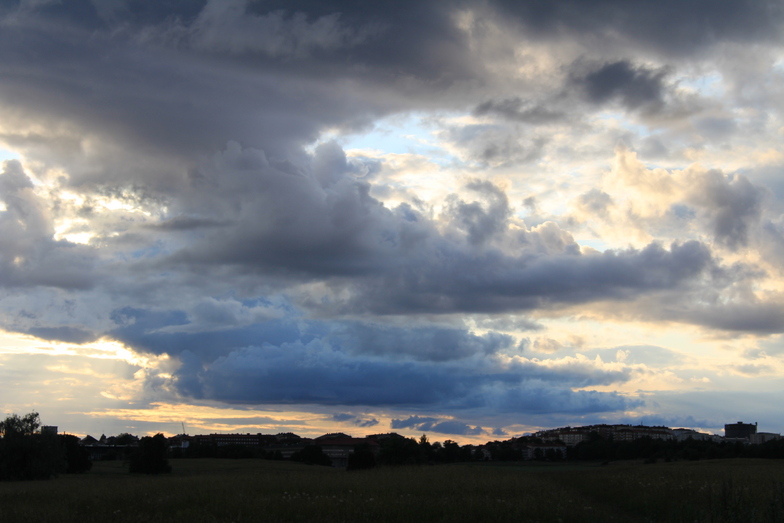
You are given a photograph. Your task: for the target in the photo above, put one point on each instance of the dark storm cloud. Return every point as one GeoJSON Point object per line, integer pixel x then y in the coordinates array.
{"type": "Point", "coordinates": [315, 373]}
{"type": "Point", "coordinates": [151, 74]}
{"type": "Point", "coordinates": [633, 86]}
{"type": "Point", "coordinates": [544, 400]}
{"type": "Point", "coordinates": [181, 79]}
{"type": "Point", "coordinates": [670, 26]}
{"type": "Point", "coordinates": [325, 224]}
{"type": "Point", "coordinates": [96, 15]}
{"type": "Point", "coordinates": [455, 281]}
{"type": "Point", "coordinates": [67, 334]}
{"type": "Point", "coordinates": [316, 218]}
{"type": "Point", "coordinates": [200, 115]}
{"type": "Point", "coordinates": [145, 330]}
{"type": "Point", "coordinates": [421, 343]}
{"type": "Point", "coordinates": [103, 80]}
{"type": "Point", "coordinates": [184, 223]}
{"type": "Point", "coordinates": [217, 332]}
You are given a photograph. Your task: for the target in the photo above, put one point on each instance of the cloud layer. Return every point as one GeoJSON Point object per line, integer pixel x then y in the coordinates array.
{"type": "Point", "coordinates": [452, 218]}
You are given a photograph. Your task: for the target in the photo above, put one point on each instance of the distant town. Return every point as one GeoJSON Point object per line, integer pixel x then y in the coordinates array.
{"type": "Point", "coordinates": [553, 444]}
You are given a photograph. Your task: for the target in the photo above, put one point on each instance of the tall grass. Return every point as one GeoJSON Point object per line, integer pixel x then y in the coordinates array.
{"type": "Point", "coordinates": [253, 490]}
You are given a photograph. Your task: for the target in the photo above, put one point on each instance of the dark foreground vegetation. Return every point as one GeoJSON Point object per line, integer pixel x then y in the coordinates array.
{"type": "Point", "coordinates": [26, 454]}
{"type": "Point", "coordinates": [208, 490]}
{"type": "Point", "coordinates": [29, 454]}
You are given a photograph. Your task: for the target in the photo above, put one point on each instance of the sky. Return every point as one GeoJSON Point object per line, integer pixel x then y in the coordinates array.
{"type": "Point", "coordinates": [472, 220]}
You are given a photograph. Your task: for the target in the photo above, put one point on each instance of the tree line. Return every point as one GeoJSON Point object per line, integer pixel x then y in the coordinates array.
{"type": "Point", "coordinates": [27, 453]}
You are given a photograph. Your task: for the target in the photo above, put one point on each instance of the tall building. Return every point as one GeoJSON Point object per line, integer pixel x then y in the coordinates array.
{"type": "Point", "coordinates": [739, 430]}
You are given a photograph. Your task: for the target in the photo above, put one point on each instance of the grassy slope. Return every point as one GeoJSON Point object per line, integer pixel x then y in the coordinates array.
{"type": "Point", "coordinates": [253, 490]}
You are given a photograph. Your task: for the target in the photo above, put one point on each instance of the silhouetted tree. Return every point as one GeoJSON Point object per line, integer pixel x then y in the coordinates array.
{"type": "Point", "coordinates": [26, 454]}
{"type": "Point", "coordinates": [76, 456]}
{"type": "Point", "coordinates": [150, 457]}
{"type": "Point", "coordinates": [124, 439]}
{"type": "Point", "coordinates": [399, 450]}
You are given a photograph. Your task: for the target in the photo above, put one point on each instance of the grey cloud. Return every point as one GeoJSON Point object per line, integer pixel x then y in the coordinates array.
{"type": "Point", "coordinates": [733, 206]}
{"type": "Point", "coordinates": [355, 420]}
{"type": "Point", "coordinates": [670, 27]}
{"type": "Point", "coordinates": [212, 327]}
{"type": "Point", "coordinates": [491, 282]}
{"type": "Point", "coordinates": [421, 343]}
{"type": "Point", "coordinates": [131, 100]}
{"type": "Point", "coordinates": [508, 323]}
{"type": "Point", "coordinates": [29, 256]}
{"type": "Point", "coordinates": [577, 371]}
{"type": "Point", "coordinates": [519, 110]}
{"type": "Point", "coordinates": [480, 222]}
{"type": "Point", "coordinates": [67, 334]}
{"type": "Point", "coordinates": [595, 202]}
{"type": "Point", "coordinates": [315, 373]}
{"type": "Point", "coordinates": [343, 417]}
{"type": "Point", "coordinates": [226, 26]}
{"type": "Point", "coordinates": [751, 369]}
{"type": "Point", "coordinates": [426, 424]}
{"type": "Point", "coordinates": [546, 401]}
{"type": "Point", "coordinates": [495, 144]}
{"type": "Point", "coordinates": [411, 421]}
{"type": "Point", "coordinates": [397, 260]}
{"type": "Point", "coordinates": [185, 223]}
{"type": "Point", "coordinates": [289, 221]}
{"type": "Point", "coordinates": [755, 316]}
{"type": "Point", "coordinates": [716, 128]}
{"type": "Point", "coordinates": [633, 86]}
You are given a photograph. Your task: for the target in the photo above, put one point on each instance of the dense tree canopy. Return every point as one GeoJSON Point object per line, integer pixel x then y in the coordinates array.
{"type": "Point", "coordinates": [150, 457]}
{"type": "Point", "coordinates": [26, 454]}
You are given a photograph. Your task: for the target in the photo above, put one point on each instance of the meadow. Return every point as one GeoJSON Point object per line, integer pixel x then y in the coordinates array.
{"type": "Point", "coordinates": [208, 490]}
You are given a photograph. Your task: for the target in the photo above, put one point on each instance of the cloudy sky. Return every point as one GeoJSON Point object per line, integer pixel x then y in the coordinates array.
{"type": "Point", "coordinates": [468, 219]}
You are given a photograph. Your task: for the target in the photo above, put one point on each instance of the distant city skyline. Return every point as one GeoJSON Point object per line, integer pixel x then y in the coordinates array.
{"type": "Point", "coordinates": [467, 219]}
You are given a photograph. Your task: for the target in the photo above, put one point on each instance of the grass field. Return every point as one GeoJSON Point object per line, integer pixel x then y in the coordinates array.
{"type": "Point", "coordinates": [256, 490]}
